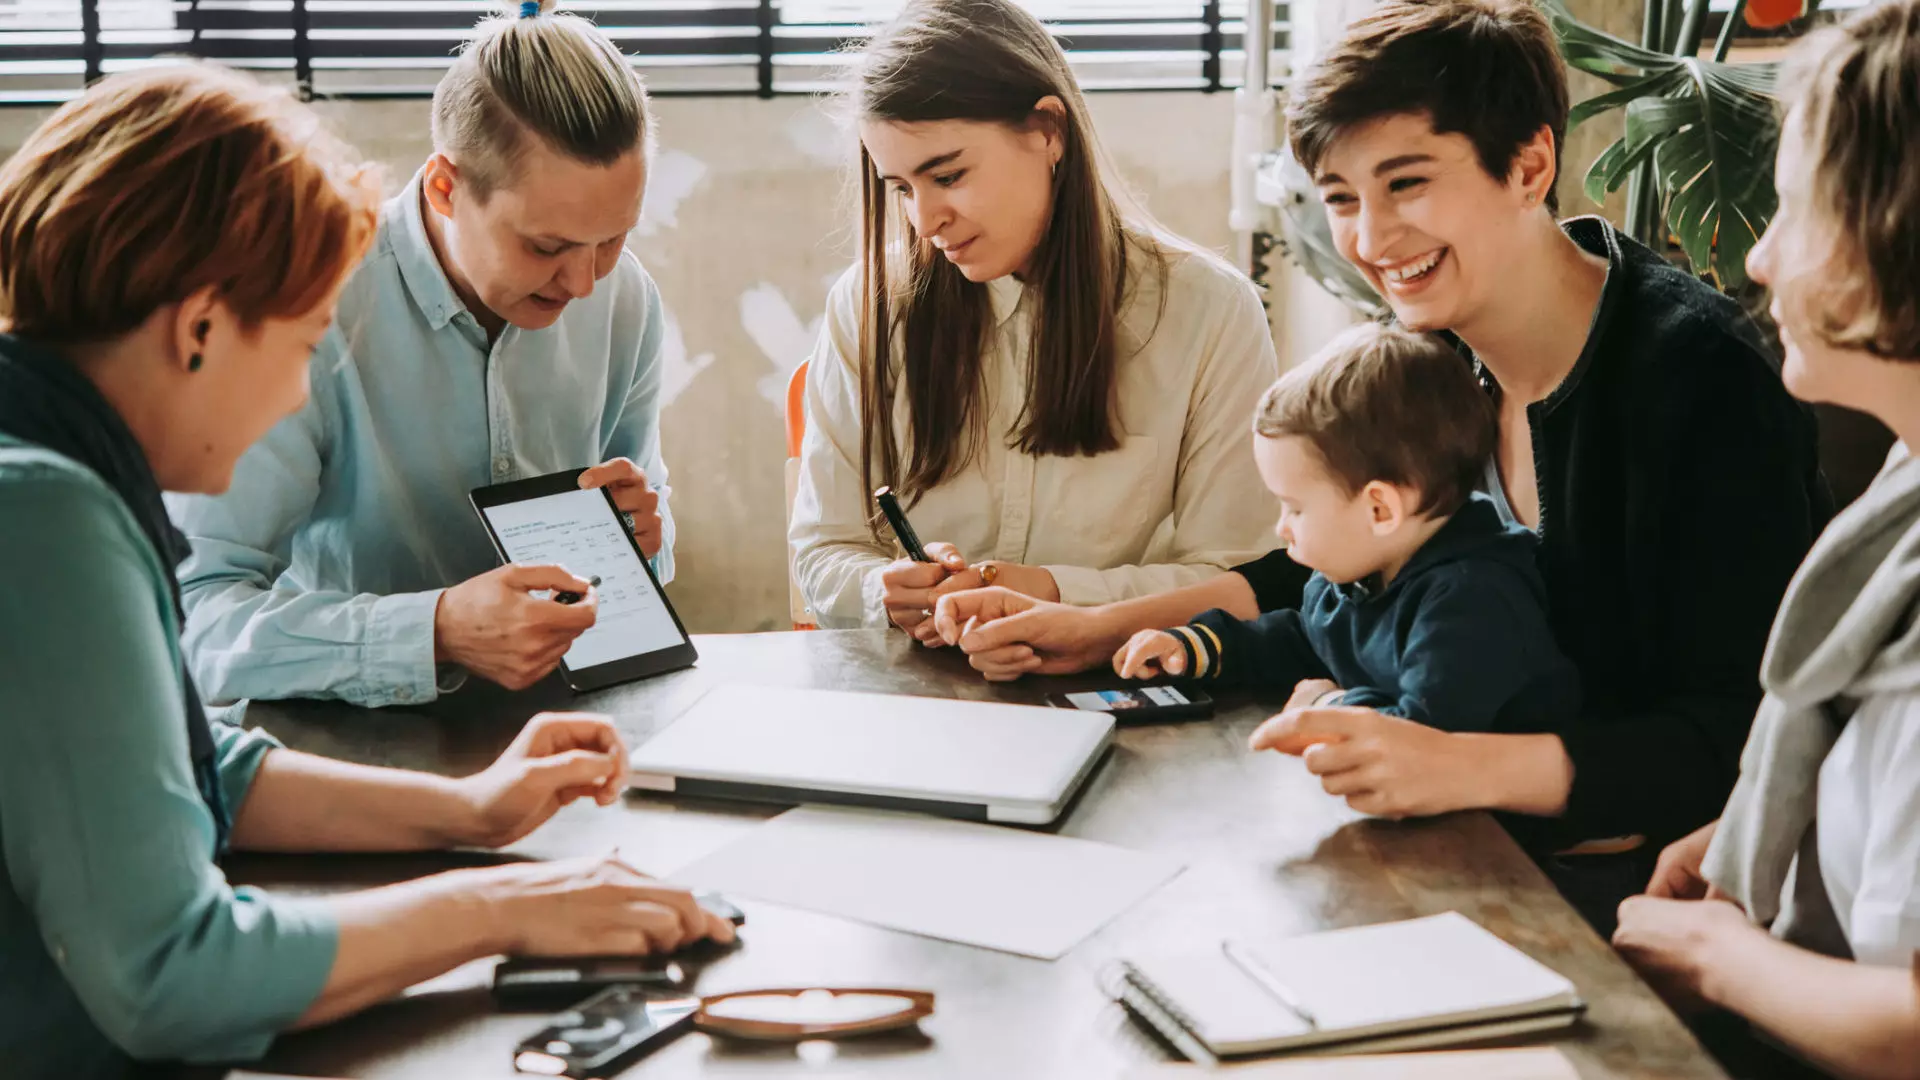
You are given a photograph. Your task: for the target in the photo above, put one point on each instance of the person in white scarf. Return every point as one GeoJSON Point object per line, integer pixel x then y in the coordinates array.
{"type": "Point", "coordinates": [1799, 910]}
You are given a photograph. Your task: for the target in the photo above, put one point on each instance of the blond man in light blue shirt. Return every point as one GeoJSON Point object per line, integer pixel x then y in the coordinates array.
{"type": "Point", "coordinates": [498, 329]}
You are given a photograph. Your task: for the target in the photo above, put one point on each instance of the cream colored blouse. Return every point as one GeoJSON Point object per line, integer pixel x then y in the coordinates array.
{"type": "Point", "coordinates": [1179, 501]}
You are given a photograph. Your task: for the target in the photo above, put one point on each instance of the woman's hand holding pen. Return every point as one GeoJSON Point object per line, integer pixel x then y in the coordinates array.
{"type": "Point", "coordinates": [912, 589]}
{"type": "Point", "coordinates": [909, 588]}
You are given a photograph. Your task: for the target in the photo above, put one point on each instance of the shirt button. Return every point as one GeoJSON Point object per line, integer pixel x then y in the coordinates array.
{"type": "Point", "coordinates": [404, 695]}
{"type": "Point", "coordinates": [500, 466]}
{"type": "Point", "coordinates": [60, 954]}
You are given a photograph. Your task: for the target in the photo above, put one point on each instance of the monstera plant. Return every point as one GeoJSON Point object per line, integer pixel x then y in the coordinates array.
{"type": "Point", "coordinates": [1699, 136]}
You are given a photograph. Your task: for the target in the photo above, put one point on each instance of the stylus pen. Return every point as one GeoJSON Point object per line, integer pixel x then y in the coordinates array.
{"type": "Point", "coordinates": [574, 597]}
{"type": "Point", "coordinates": [1264, 978]}
{"type": "Point", "coordinates": [902, 530]}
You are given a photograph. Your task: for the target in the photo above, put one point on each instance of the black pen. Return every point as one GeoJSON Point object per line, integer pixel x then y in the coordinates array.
{"type": "Point", "coordinates": [902, 530]}
{"type": "Point", "coordinates": [574, 597]}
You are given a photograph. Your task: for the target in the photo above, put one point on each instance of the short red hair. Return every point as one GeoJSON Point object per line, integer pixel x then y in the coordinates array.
{"type": "Point", "coordinates": [155, 184]}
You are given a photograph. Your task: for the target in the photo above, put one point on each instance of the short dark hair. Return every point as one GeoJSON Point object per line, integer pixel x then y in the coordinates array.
{"type": "Point", "coordinates": [1486, 69]}
{"type": "Point", "coordinates": [1852, 90]}
{"type": "Point", "coordinates": [1384, 403]}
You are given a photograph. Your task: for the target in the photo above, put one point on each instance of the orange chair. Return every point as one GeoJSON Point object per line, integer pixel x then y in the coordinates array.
{"type": "Point", "coordinates": [797, 608]}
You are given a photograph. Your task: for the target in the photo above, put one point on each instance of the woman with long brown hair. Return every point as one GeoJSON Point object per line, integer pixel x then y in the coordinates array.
{"type": "Point", "coordinates": [1057, 388]}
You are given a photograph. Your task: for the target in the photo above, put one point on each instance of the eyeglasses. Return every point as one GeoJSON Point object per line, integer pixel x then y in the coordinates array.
{"type": "Point", "coordinates": [811, 1013]}
{"type": "Point", "coordinates": [623, 1022]}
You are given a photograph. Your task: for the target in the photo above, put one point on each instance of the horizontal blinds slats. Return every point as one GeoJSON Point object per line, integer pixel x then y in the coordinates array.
{"type": "Point", "coordinates": [400, 47]}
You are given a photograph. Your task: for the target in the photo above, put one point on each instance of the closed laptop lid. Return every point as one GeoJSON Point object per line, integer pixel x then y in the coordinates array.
{"type": "Point", "coordinates": [881, 744]}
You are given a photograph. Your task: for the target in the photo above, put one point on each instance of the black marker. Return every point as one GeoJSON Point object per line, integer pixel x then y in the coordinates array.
{"type": "Point", "coordinates": [574, 597]}
{"type": "Point", "coordinates": [902, 530]}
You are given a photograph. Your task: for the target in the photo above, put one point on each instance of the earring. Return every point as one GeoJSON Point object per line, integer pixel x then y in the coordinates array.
{"type": "Point", "coordinates": [1531, 199]}
{"type": "Point", "coordinates": [193, 362]}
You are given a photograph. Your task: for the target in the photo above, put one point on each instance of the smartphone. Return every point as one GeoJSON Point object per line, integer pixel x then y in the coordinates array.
{"type": "Point", "coordinates": [536, 982]}
{"type": "Point", "coordinates": [532, 982]}
{"type": "Point", "coordinates": [609, 1028]}
{"type": "Point", "coordinates": [1139, 704]}
{"type": "Point", "coordinates": [720, 905]}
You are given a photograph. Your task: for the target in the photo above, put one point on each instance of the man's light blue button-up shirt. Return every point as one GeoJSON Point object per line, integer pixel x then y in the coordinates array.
{"type": "Point", "coordinates": [318, 572]}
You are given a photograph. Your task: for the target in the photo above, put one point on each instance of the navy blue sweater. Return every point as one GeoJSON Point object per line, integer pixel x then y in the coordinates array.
{"type": "Point", "coordinates": [1460, 640]}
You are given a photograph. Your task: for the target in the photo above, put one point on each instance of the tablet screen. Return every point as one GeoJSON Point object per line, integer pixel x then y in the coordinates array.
{"type": "Point", "coordinates": [578, 530]}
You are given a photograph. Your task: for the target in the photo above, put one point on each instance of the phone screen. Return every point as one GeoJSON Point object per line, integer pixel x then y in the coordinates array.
{"type": "Point", "coordinates": [1143, 697]}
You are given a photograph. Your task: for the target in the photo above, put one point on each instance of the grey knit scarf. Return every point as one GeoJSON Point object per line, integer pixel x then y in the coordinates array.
{"type": "Point", "coordinates": [1846, 631]}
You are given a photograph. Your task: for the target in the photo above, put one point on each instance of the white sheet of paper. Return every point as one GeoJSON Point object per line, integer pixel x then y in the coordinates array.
{"type": "Point", "coordinates": [1020, 892]}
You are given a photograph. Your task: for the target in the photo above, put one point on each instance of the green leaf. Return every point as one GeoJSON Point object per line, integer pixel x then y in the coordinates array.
{"type": "Point", "coordinates": [1613, 166]}
{"type": "Point", "coordinates": [1599, 178]}
{"type": "Point", "coordinates": [1660, 83]}
{"type": "Point", "coordinates": [1711, 165]}
{"type": "Point", "coordinates": [1572, 31]}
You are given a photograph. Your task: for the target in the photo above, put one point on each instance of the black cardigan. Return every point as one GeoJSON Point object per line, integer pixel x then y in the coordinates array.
{"type": "Point", "coordinates": [1679, 489]}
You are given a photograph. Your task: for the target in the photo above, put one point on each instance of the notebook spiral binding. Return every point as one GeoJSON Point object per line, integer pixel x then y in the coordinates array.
{"type": "Point", "coordinates": [1126, 984]}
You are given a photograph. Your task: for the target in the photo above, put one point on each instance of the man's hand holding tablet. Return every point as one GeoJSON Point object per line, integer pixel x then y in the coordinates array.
{"type": "Point", "coordinates": [635, 497]}
{"type": "Point", "coordinates": [505, 626]}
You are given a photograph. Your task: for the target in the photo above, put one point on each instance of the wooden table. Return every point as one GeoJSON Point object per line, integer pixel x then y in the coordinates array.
{"type": "Point", "coordinates": [1268, 854]}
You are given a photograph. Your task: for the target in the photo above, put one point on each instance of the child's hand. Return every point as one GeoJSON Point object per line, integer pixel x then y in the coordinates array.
{"type": "Point", "coordinates": [1150, 653]}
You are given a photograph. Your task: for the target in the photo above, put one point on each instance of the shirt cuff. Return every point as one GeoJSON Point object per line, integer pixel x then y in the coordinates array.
{"type": "Point", "coordinates": [1080, 586]}
{"type": "Point", "coordinates": [272, 987]}
{"type": "Point", "coordinates": [239, 753]}
{"type": "Point", "coordinates": [396, 661]}
{"type": "Point", "coordinates": [663, 561]}
{"type": "Point", "coordinates": [1605, 780]}
{"type": "Point", "coordinates": [873, 603]}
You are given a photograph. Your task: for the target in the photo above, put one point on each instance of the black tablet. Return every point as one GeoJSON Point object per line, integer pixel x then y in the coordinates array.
{"type": "Point", "coordinates": [549, 519]}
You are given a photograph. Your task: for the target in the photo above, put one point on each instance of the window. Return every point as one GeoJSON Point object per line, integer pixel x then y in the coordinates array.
{"type": "Point", "coordinates": [397, 48]}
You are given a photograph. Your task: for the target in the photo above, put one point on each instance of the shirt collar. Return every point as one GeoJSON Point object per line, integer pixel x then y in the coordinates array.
{"type": "Point", "coordinates": [420, 268]}
{"type": "Point", "coordinates": [1006, 294]}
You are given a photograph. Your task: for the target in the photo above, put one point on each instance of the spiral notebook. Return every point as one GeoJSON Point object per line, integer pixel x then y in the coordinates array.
{"type": "Point", "coordinates": [1437, 981]}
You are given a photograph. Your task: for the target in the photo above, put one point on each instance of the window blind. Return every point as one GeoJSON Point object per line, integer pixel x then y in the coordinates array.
{"type": "Point", "coordinates": [399, 48]}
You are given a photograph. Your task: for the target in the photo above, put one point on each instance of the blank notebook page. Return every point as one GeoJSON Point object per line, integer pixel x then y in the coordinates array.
{"type": "Point", "coordinates": [1417, 973]}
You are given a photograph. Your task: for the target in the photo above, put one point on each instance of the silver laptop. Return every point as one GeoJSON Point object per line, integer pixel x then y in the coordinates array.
{"type": "Point", "coordinates": [965, 759]}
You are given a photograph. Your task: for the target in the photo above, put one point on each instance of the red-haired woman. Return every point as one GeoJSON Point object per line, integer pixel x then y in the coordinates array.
{"type": "Point", "coordinates": [171, 244]}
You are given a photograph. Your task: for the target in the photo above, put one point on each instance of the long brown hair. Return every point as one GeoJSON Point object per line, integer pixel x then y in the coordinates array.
{"type": "Point", "coordinates": [982, 60]}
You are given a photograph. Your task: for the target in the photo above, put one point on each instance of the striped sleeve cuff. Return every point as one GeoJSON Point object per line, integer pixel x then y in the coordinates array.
{"type": "Point", "coordinates": [1203, 650]}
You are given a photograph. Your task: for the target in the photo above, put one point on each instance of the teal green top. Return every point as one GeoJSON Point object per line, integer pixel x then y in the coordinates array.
{"type": "Point", "coordinates": [119, 936]}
